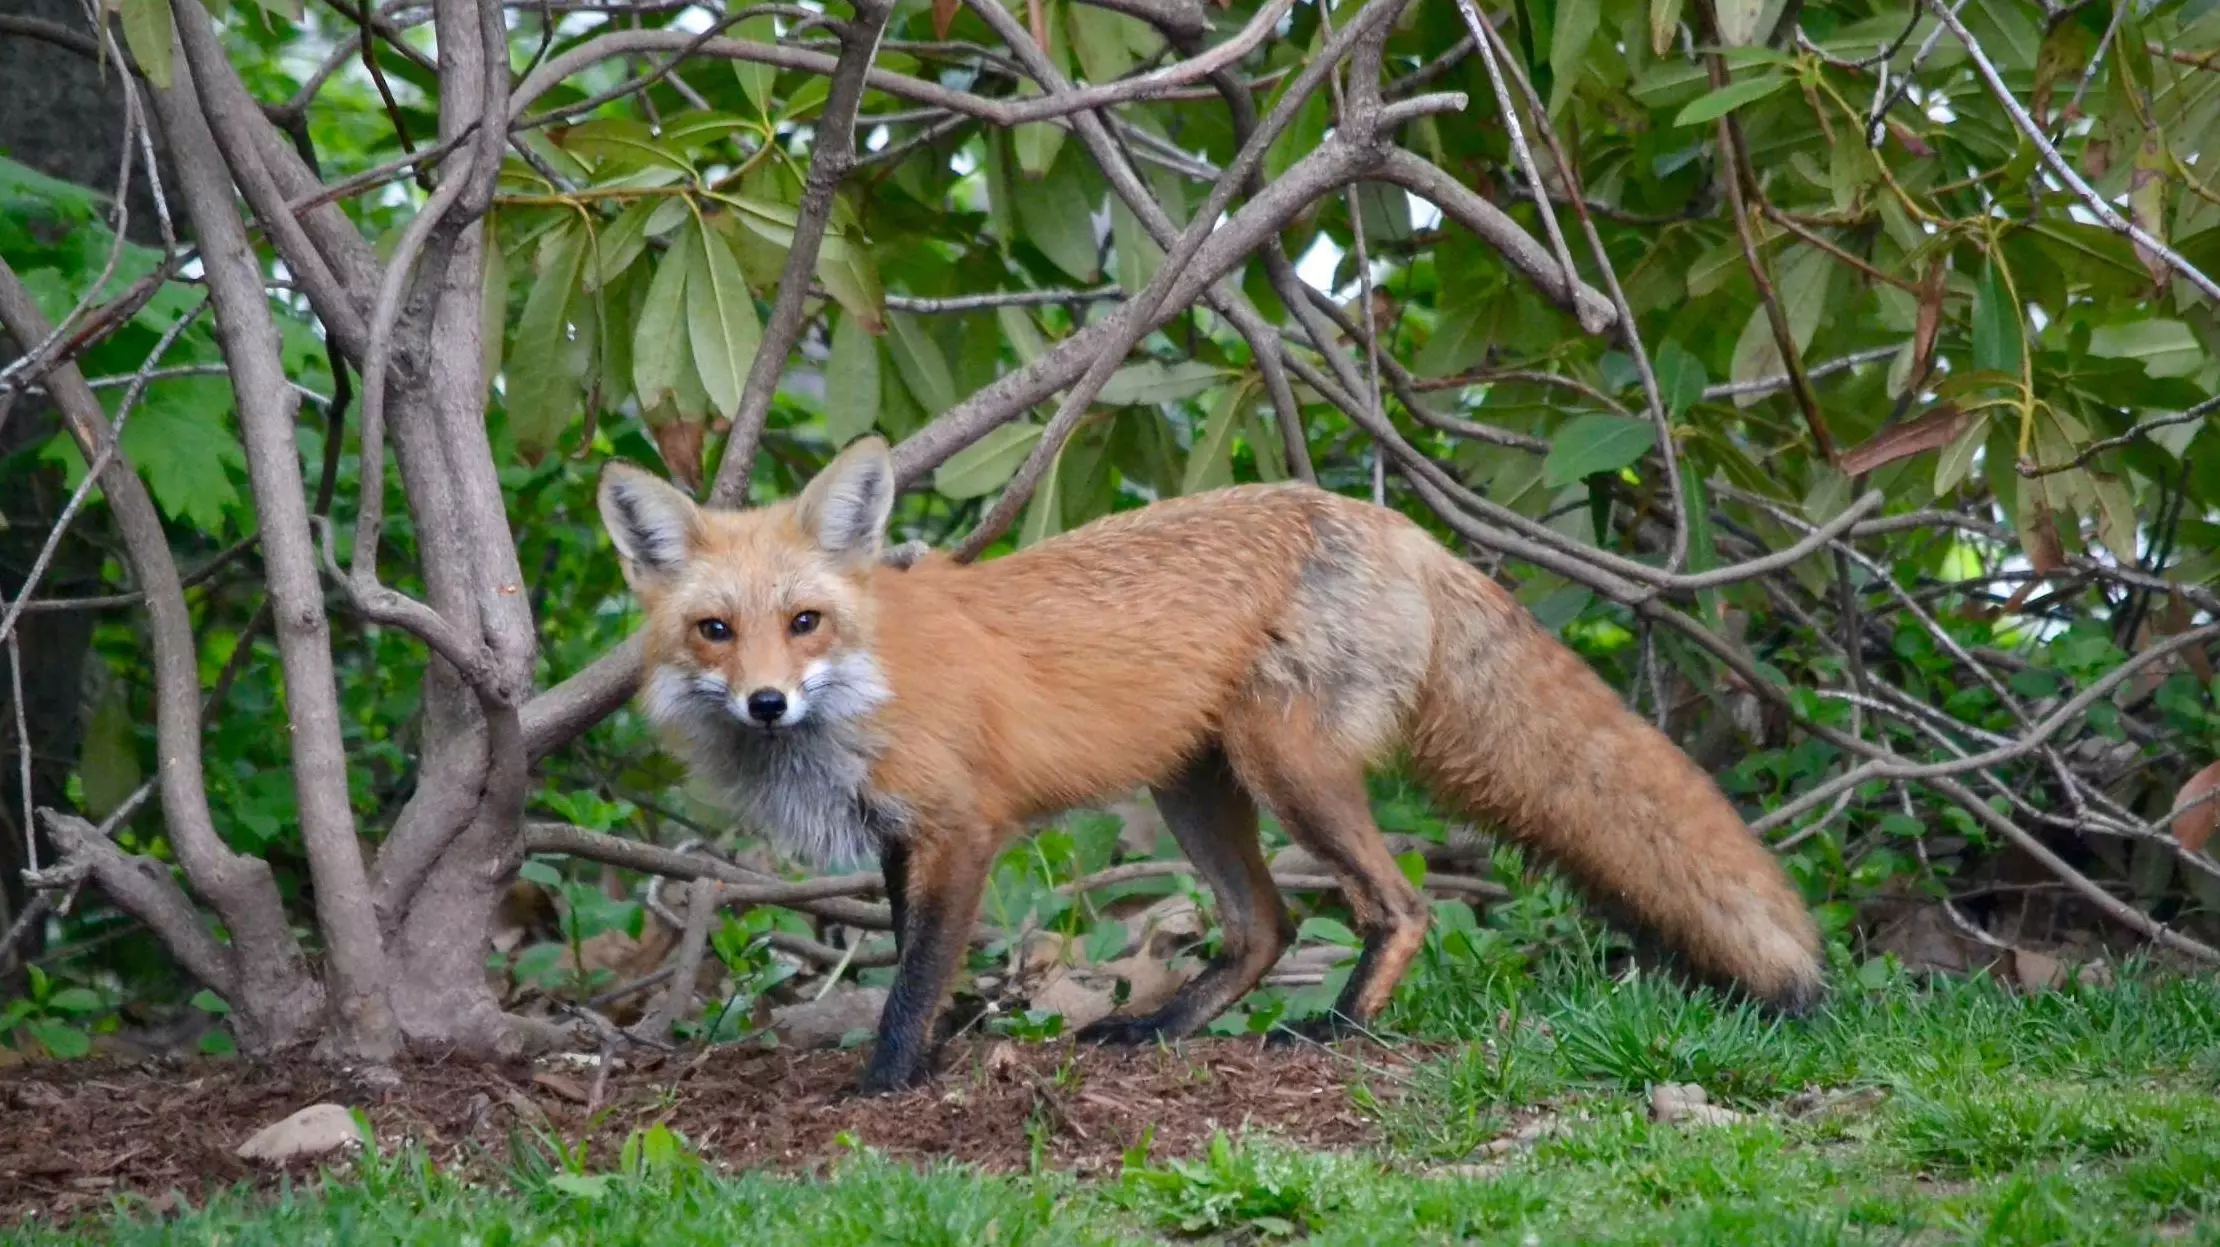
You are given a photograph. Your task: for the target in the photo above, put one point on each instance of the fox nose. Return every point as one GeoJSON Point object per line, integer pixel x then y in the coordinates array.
{"type": "Point", "coordinates": [766, 706]}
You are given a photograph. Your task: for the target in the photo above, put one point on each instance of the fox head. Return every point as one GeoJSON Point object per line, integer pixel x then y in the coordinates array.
{"type": "Point", "coordinates": [758, 619]}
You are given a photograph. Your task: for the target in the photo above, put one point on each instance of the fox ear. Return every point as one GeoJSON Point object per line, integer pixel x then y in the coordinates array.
{"type": "Point", "coordinates": [846, 507]}
{"type": "Point", "coordinates": [649, 519]}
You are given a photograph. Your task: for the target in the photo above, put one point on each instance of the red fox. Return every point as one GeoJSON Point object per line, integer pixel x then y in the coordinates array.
{"type": "Point", "coordinates": [1254, 645]}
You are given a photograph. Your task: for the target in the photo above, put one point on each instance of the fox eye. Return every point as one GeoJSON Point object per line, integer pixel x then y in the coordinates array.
{"type": "Point", "coordinates": [803, 624]}
{"type": "Point", "coordinates": [714, 630]}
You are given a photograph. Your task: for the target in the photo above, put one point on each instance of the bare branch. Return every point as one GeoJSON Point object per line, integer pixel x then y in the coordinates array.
{"type": "Point", "coordinates": [831, 160]}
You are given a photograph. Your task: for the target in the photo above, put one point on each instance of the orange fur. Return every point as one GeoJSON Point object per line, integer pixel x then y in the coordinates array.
{"type": "Point", "coordinates": [1296, 635]}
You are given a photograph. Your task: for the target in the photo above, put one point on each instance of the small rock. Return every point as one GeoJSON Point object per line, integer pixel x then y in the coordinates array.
{"type": "Point", "coordinates": [318, 1130]}
{"type": "Point", "coordinates": [1674, 1103]}
{"type": "Point", "coordinates": [1469, 1172]}
{"type": "Point", "coordinates": [822, 1023]}
{"type": "Point", "coordinates": [1085, 995]}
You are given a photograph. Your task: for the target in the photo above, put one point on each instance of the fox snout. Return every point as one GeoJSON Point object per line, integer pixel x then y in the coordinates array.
{"type": "Point", "coordinates": [767, 706]}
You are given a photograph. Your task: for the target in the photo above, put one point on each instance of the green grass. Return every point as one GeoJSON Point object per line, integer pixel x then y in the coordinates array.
{"type": "Point", "coordinates": [1963, 1113]}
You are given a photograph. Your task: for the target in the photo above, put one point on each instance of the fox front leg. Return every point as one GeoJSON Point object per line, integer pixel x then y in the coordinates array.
{"type": "Point", "coordinates": [941, 882]}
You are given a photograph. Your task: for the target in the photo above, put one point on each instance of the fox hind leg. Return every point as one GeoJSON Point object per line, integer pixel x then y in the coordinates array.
{"type": "Point", "coordinates": [1214, 820]}
{"type": "Point", "coordinates": [1315, 785]}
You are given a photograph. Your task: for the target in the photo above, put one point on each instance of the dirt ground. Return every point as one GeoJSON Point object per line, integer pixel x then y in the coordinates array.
{"type": "Point", "coordinates": [74, 1137]}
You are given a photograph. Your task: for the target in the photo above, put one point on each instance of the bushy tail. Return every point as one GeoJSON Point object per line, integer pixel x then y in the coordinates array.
{"type": "Point", "coordinates": [1517, 730]}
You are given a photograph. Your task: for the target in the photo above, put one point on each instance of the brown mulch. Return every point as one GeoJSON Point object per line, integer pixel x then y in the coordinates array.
{"type": "Point", "coordinates": [74, 1136]}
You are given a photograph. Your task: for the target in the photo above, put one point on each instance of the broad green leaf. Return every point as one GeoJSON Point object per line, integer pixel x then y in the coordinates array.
{"type": "Point", "coordinates": [1100, 40]}
{"type": "Point", "coordinates": [1726, 99]}
{"type": "Point", "coordinates": [1703, 549]}
{"type": "Point", "coordinates": [542, 392]}
{"type": "Point", "coordinates": [1680, 378]}
{"type": "Point", "coordinates": [1957, 458]}
{"type": "Point", "coordinates": [149, 30]}
{"type": "Point", "coordinates": [659, 350]}
{"type": "Point", "coordinates": [981, 468]}
{"type": "Point", "coordinates": [108, 757]}
{"type": "Point", "coordinates": [850, 276]}
{"type": "Point", "coordinates": [1021, 333]}
{"type": "Point", "coordinates": [1573, 28]}
{"type": "Point", "coordinates": [1044, 511]}
{"type": "Point", "coordinates": [756, 79]}
{"type": "Point", "coordinates": [619, 243]}
{"type": "Point", "coordinates": [669, 213]}
{"type": "Point", "coordinates": [1150, 382]}
{"type": "Point", "coordinates": [78, 1000]}
{"type": "Point", "coordinates": [689, 132]}
{"type": "Point", "coordinates": [851, 382]}
{"type": "Point", "coordinates": [493, 321]}
{"type": "Point", "coordinates": [2166, 348]}
{"type": "Point", "coordinates": [720, 322]}
{"type": "Point", "coordinates": [1802, 288]}
{"type": "Point", "coordinates": [1741, 22]}
{"type": "Point", "coordinates": [924, 368]}
{"type": "Point", "coordinates": [1664, 24]}
{"type": "Point", "coordinates": [2116, 523]}
{"type": "Point", "coordinates": [1138, 256]}
{"type": "Point", "coordinates": [1592, 443]}
{"type": "Point", "coordinates": [1264, 443]}
{"type": "Point", "coordinates": [1302, 137]}
{"type": "Point", "coordinates": [806, 99]}
{"type": "Point", "coordinates": [1210, 460]}
{"type": "Point", "coordinates": [1386, 211]}
{"type": "Point", "coordinates": [622, 144]}
{"type": "Point", "coordinates": [61, 1040]}
{"type": "Point", "coordinates": [1057, 214]}
{"type": "Point", "coordinates": [1997, 342]}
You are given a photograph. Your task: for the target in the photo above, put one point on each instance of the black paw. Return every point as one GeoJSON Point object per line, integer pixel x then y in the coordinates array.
{"type": "Point", "coordinates": [1324, 1029]}
{"type": "Point", "coordinates": [880, 1080]}
{"type": "Point", "coordinates": [1124, 1032]}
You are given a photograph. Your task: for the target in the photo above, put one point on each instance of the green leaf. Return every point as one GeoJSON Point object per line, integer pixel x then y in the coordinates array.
{"type": "Point", "coordinates": [1044, 512]}
{"type": "Point", "coordinates": [720, 322]}
{"type": "Point", "coordinates": [62, 1041]}
{"type": "Point", "coordinates": [689, 132]}
{"type": "Point", "coordinates": [620, 243]}
{"type": "Point", "coordinates": [1802, 288]}
{"type": "Point", "coordinates": [210, 1003]}
{"type": "Point", "coordinates": [542, 392]}
{"type": "Point", "coordinates": [1138, 256]}
{"type": "Point", "coordinates": [1593, 443]}
{"type": "Point", "coordinates": [149, 30]}
{"type": "Point", "coordinates": [1997, 343]}
{"type": "Point", "coordinates": [1210, 462]}
{"type": "Point", "coordinates": [1021, 333]}
{"type": "Point", "coordinates": [851, 382]}
{"type": "Point", "coordinates": [2166, 348]}
{"type": "Point", "coordinates": [659, 352]}
{"type": "Point", "coordinates": [1664, 23]}
{"type": "Point", "coordinates": [493, 320]}
{"type": "Point", "coordinates": [920, 361]}
{"type": "Point", "coordinates": [1056, 215]}
{"type": "Point", "coordinates": [1265, 444]}
{"type": "Point", "coordinates": [2116, 522]}
{"type": "Point", "coordinates": [1680, 378]}
{"type": "Point", "coordinates": [108, 759]}
{"type": "Point", "coordinates": [1571, 32]}
{"type": "Point", "coordinates": [756, 80]}
{"type": "Point", "coordinates": [981, 468]}
{"type": "Point", "coordinates": [621, 144]}
{"type": "Point", "coordinates": [1739, 21]}
{"type": "Point", "coordinates": [846, 268]}
{"type": "Point", "coordinates": [1728, 98]}
{"type": "Point", "coordinates": [76, 1000]}
{"type": "Point", "coordinates": [1149, 382]}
